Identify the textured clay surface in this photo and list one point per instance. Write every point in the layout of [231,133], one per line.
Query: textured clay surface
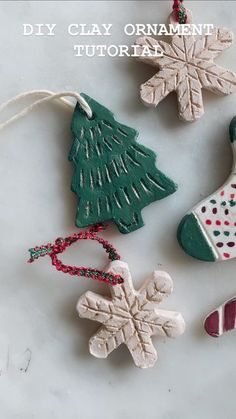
[131,317]
[186,67]
[115,177]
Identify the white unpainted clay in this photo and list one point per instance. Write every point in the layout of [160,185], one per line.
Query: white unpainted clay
[131,317]
[187,66]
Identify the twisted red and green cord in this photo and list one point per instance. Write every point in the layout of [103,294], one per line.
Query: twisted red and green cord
[61,245]
[180,11]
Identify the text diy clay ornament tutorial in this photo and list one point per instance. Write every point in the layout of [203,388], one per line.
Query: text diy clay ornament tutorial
[105,30]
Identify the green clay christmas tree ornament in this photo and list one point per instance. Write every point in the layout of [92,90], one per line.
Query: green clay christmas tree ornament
[115,177]
[208,231]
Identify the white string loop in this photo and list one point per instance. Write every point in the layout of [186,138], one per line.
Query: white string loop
[48,96]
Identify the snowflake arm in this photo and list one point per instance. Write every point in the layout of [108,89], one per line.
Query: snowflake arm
[183,47]
[208,47]
[189,94]
[157,287]
[100,309]
[122,294]
[158,87]
[170,323]
[217,79]
[142,350]
[147,43]
[105,341]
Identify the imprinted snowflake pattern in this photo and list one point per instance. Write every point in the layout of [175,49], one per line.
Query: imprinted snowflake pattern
[131,317]
[187,66]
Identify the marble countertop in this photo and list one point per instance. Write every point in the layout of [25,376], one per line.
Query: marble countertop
[46,370]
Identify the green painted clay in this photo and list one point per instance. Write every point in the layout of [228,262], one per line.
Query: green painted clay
[192,240]
[115,177]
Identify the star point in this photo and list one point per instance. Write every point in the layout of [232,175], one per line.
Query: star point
[131,317]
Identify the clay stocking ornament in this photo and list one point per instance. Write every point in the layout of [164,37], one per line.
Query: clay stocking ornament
[208,232]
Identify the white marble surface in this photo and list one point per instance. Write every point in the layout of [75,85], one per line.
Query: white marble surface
[195,375]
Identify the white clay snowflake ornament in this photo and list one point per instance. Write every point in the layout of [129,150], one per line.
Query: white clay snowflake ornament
[186,67]
[131,317]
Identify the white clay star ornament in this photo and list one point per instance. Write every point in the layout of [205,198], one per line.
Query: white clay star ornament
[131,317]
[186,67]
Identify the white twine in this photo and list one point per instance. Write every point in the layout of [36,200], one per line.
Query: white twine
[48,96]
